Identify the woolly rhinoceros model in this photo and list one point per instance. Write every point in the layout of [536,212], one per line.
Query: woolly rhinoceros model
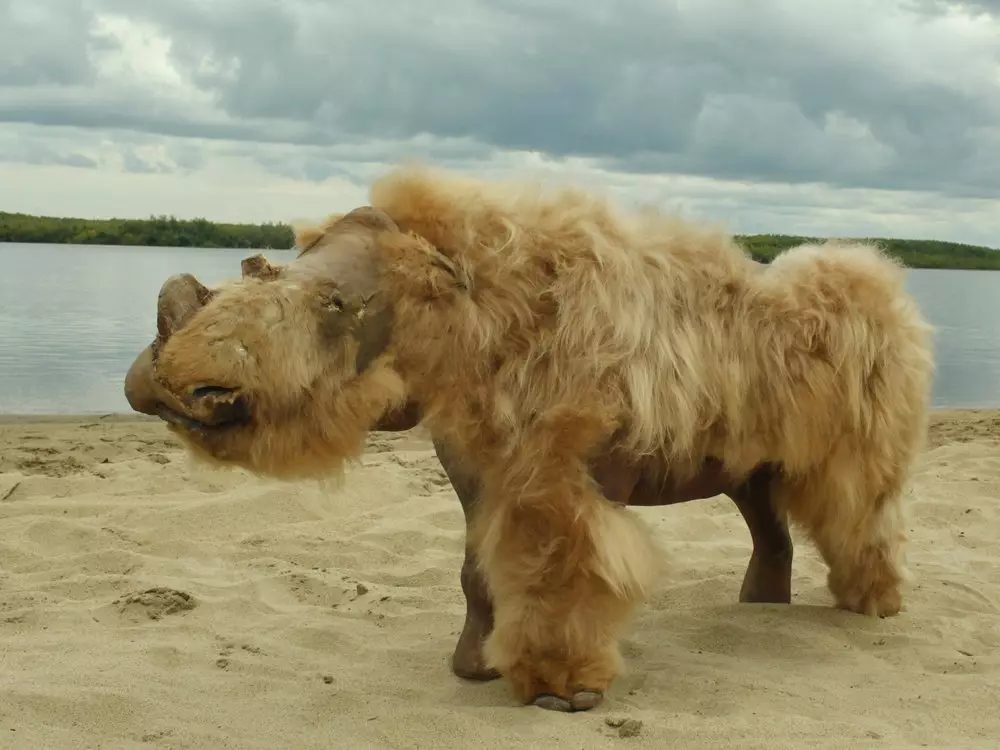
[569,360]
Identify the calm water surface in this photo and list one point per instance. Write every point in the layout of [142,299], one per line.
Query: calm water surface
[73,318]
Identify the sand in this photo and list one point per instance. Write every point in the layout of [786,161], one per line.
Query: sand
[148,603]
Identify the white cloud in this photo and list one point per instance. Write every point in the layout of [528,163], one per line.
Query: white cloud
[861,117]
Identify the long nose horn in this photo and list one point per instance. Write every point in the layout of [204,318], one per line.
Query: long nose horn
[181,296]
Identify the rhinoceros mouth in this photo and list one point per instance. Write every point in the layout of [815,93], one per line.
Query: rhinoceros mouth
[206,408]
[191,424]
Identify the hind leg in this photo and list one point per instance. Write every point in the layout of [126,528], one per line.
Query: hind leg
[860,536]
[867,575]
[768,577]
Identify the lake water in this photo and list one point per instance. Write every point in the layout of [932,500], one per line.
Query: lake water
[73,318]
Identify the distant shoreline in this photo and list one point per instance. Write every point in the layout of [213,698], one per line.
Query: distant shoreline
[170,232]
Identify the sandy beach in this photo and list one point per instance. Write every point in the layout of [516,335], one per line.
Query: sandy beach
[146,602]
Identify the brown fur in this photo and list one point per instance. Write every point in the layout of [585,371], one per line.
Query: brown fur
[533,326]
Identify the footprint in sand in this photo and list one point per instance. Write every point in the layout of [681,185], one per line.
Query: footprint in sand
[155,603]
[40,461]
[228,647]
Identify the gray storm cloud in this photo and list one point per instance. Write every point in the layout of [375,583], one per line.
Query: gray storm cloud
[856,94]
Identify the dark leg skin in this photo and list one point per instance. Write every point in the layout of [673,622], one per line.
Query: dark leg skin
[467,660]
[769,574]
[768,577]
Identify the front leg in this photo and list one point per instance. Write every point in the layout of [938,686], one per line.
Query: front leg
[566,568]
[467,659]
[612,472]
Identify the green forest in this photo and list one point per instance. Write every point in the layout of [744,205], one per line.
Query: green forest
[167,231]
[913,253]
[156,231]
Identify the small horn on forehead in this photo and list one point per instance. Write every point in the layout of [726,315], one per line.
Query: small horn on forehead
[181,296]
[259,267]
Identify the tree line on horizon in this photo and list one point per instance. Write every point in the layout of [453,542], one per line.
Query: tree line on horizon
[168,231]
[156,231]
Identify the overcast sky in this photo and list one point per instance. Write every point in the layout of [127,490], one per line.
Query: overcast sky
[831,117]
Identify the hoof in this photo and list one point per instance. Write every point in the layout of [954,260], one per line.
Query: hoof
[766,594]
[888,607]
[768,582]
[878,598]
[476,673]
[582,701]
[467,662]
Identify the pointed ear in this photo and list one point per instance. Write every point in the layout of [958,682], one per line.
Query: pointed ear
[259,267]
